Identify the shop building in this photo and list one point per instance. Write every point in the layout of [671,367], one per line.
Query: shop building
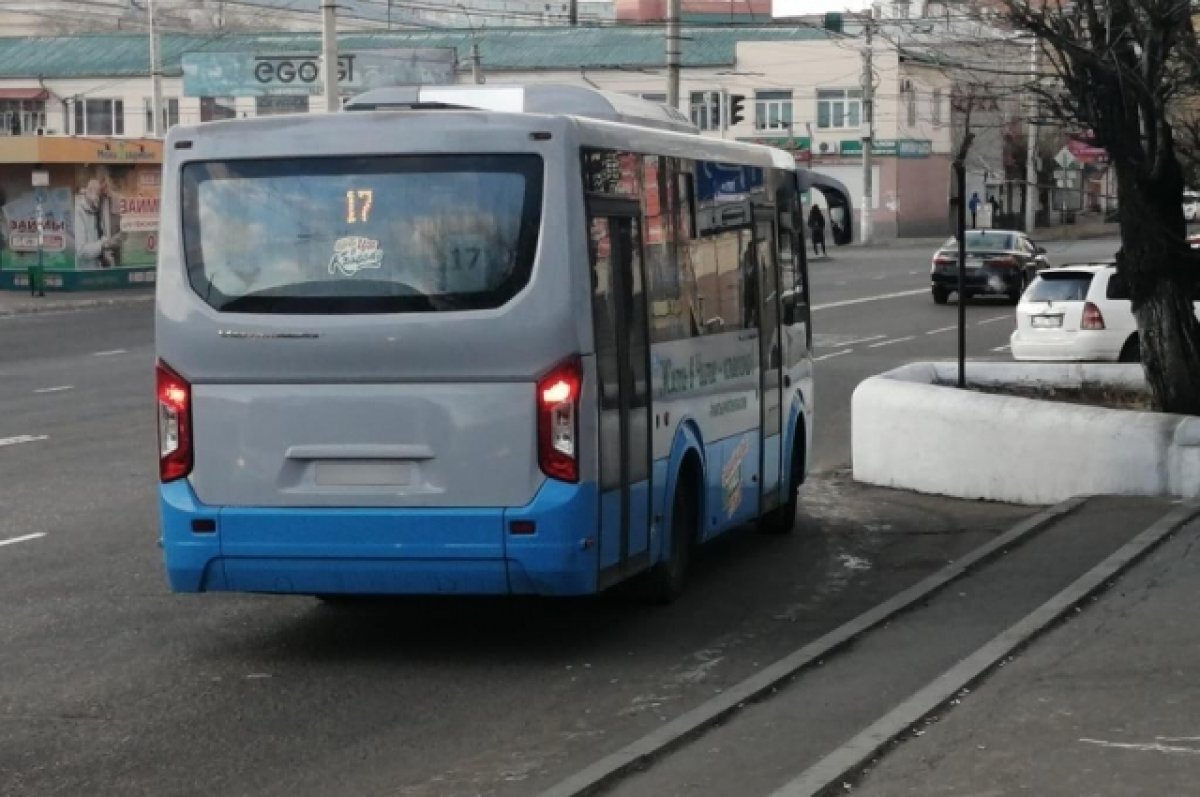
[64,100]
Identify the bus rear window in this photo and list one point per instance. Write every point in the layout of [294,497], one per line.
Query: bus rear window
[362,234]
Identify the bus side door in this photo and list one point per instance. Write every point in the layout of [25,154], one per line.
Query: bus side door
[770,357]
[623,364]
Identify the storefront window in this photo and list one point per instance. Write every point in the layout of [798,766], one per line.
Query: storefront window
[170,114]
[214,109]
[21,117]
[99,117]
[272,105]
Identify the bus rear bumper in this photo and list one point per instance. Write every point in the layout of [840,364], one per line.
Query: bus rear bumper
[468,551]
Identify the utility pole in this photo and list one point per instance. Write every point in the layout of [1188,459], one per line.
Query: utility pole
[476,63]
[673,53]
[573,13]
[329,55]
[868,126]
[1031,172]
[156,104]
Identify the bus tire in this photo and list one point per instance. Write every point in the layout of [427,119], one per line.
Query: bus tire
[782,519]
[665,581]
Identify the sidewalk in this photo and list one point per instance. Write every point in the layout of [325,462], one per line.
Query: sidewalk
[1056,659]
[1055,234]
[1106,704]
[21,303]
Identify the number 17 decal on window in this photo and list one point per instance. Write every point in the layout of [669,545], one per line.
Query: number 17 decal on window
[358,206]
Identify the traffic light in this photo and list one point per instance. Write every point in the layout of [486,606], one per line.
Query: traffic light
[737,103]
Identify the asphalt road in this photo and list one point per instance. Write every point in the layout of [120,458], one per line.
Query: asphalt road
[111,685]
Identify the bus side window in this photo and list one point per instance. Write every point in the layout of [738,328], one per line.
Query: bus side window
[792,261]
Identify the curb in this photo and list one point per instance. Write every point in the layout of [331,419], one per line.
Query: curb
[833,773]
[605,773]
[73,305]
[1129,451]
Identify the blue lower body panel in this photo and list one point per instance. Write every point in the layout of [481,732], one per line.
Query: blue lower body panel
[384,551]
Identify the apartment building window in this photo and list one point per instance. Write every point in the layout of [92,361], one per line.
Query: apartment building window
[214,109]
[99,117]
[654,96]
[935,107]
[21,117]
[272,105]
[706,110]
[170,114]
[839,108]
[773,110]
[912,107]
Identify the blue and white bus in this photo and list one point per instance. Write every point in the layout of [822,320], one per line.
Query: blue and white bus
[502,340]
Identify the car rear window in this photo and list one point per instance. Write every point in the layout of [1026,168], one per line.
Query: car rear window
[983,242]
[1060,286]
[362,234]
[1118,288]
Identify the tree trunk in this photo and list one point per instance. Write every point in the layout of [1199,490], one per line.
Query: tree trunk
[1162,275]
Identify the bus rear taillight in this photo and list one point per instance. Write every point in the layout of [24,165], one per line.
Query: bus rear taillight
[558,421]
[174,424]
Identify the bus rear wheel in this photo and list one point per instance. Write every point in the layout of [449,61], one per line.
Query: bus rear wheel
[665,581]
[782,519]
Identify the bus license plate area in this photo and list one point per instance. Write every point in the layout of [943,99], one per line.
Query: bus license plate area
[363,473]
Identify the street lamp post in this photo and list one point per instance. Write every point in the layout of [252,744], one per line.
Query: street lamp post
[39,273]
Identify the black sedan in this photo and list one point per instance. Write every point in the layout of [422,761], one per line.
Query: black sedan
[999,263]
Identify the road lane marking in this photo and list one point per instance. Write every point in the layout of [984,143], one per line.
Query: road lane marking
[994,320]
[1000,348]
[832,355]
[863,340]
[21,438]
[890,342]
[55,389]
[108,353]
[26,538]
[864,299]
[940,330]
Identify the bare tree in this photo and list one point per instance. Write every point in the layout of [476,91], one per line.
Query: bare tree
[1121,68]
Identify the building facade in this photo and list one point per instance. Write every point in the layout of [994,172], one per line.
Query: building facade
[801,87]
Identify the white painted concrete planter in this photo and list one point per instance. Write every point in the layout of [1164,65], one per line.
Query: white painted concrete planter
[910,431]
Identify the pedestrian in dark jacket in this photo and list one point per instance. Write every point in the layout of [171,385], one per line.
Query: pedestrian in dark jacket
[816,227]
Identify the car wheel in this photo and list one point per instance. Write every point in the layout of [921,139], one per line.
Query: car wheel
[1014,296]
[1131,352]
[940,295]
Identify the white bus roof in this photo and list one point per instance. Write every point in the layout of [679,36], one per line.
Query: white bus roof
[543,98]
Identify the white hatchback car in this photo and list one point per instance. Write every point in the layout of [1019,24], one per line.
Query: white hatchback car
[1076,313]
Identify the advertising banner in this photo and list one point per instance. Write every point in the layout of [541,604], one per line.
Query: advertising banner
[207,74]
[106,218]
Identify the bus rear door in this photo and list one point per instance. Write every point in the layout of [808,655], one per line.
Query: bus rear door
[770,357]
[622,363]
